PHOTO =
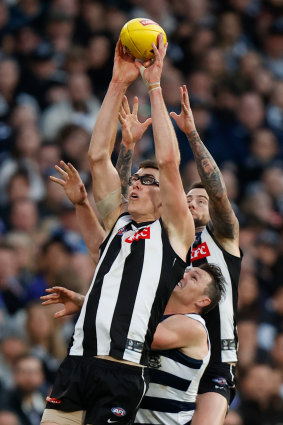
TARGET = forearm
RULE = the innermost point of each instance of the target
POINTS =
(106, 124)
(92, 231)
(165, 140)
(208, 170)
(124, 166)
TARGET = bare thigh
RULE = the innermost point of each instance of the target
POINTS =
(58, 417)
(210, 408)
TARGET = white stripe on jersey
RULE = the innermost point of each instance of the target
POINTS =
(149, 282)
(226, 305)
(77, 347)
(108, 298)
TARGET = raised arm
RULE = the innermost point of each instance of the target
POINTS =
(132, 132)
(225, 223)
(106, 181)
(175, 215)
(91, 229)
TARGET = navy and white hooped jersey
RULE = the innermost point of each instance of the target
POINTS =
(136, 273)
(221, 321)
(173, 387)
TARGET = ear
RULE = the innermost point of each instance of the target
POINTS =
(203, 302)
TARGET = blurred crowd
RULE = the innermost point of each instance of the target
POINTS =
(55, 65)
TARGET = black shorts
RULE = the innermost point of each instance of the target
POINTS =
(219, 378)
(109, 392)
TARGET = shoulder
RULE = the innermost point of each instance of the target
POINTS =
(185, 325)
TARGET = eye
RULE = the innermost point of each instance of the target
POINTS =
(148, 180)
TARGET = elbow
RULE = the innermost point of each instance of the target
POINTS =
(96, 157)
(168, 162)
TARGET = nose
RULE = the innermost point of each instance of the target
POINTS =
(191, 205)
(137, 184)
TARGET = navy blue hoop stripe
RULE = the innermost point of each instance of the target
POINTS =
(164, 378)
(165, 405)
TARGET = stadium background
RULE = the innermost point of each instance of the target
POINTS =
(55, 65)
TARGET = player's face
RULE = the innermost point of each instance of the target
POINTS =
(192, 287)
(198, 206)
(144, 199)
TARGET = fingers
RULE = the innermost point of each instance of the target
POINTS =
(61, 171)
(49, 296)
(147, 123)
(140, 66)
(58, 181)
(186, 95)
(160, 51)
(173, 115)
(126, 106)
(122, 119)
(55, 289)
(156, 52)
(135, 106)
(60, 313)
(52, 298)
(71, 169)
(119, 48)
(122, 112)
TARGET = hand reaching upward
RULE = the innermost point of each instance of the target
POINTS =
(125, 70)
(71, 183)
(132, 128)
(185, 120)
(151, 71)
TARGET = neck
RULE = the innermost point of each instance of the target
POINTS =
(199, 229)
(174, 306)
(142, 218)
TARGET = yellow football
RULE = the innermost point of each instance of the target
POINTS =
(138, 35)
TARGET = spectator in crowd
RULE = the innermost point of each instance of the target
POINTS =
(260, 401)
(80, 108)
(12, 348)
(27, 399)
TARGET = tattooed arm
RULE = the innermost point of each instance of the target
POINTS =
(132, 131)
(124, 166)
(225, 223)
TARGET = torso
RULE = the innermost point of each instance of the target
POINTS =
(221, 321)
(133, 281)
(174, 380)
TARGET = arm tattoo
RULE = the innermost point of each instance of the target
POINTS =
(123, 166)
(221, 211)
(209, 172)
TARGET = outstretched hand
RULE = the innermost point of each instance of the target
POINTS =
(185, 120)
(124, 70)
(71, 300)
(151, 70)
(132, 128)
(71, 183)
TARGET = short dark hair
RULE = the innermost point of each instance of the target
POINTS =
(196, 185)
(215, 290)
(149, 163)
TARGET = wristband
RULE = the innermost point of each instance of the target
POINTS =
(153, 86)
(150, 86)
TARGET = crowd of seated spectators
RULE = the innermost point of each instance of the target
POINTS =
(55, 65)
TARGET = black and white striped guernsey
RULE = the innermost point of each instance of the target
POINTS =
(221, 321)
(173, 387)
(136, 273)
